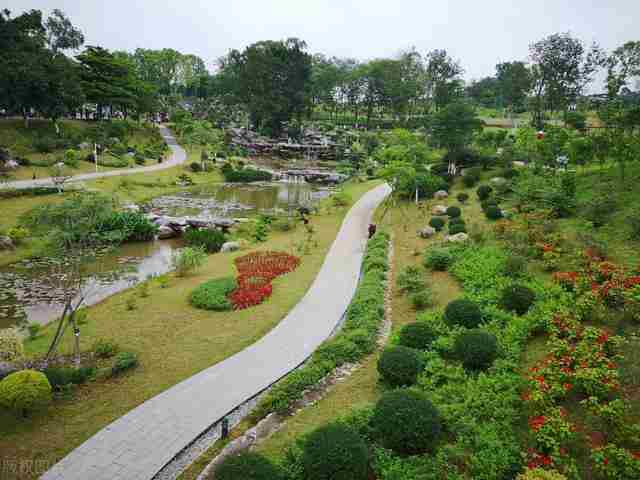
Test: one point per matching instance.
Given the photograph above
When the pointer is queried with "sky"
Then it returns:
(478, 33)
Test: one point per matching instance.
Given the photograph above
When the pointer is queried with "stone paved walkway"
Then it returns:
(178, 156)
(139, 444)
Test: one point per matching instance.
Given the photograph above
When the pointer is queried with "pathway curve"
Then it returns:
(139, 444)
(178, 156)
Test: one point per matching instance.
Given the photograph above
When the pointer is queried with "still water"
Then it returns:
(26, 294)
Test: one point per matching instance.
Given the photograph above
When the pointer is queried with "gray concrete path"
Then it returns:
(178, 156)
(139, 444)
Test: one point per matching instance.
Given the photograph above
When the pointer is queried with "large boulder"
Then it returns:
(230, 247)
(6, 243)
(498, 181)
(441, 195)
(427, 232)
(165, 232)
(439, 210)
(458, 237)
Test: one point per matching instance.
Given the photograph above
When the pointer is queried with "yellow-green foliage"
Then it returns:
(11, 348)
(25, 391)
(540, 474)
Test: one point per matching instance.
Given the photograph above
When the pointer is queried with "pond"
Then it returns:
(26, 296)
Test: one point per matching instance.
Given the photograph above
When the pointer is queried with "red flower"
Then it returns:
(567, 386)
(535, 423)
(636, 455)
(605, 461)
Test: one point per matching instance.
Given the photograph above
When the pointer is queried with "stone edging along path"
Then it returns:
(139, 444)
(178, 157)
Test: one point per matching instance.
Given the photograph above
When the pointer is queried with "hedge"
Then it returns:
(356, 339)
(213, 294)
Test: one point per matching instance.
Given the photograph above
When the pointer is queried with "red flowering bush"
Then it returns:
(256, 271)
(613, 462)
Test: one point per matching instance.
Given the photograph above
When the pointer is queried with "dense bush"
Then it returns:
(105, 348)
(213, 294)
(406, 422)
(540, 474)
(439, 259)
(124, 361)
(283, 224)
(456, 228)
(211, 239)
(410, 280)
(341, 350)
(399, 366)
(421, 300)
(598, 211)
(489, 202)
(493, 213)
(476, 349)
(60, 377)
(418, 335)
(463, 312)
(437, 223)
(453, 212)
(127, 227)
(471, 177)
(25, 391)
(517, 298)
(483, 192)
(244, 175)
(457, 221)
(195, 167)
(11, 347)
(515, 266)
(463, 197)
(335, 452)
(247, 466)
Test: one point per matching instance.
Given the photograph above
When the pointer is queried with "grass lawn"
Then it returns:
(172, 339)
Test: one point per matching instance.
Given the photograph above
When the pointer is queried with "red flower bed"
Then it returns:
(256, 271)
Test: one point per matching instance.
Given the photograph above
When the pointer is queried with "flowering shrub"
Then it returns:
(256, 271)
(613, 462)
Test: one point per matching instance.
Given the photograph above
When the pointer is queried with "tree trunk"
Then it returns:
(25, 116)
(59, 332)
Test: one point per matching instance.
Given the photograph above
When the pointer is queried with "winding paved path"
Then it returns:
(178, 156)
(139, 444)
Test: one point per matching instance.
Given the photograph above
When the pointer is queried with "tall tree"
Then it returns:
(561, 69)
(440, 70)
(513, 84)
(453, 128)
(622, 65)
(61, 34)
(273, 81)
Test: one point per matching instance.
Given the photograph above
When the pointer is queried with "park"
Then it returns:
(289, 265)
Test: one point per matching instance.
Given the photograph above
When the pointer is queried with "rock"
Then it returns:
(84, 146)
(198, 223)
(241, 220)
(439, 210)
(518, 163)
(498, 181)
(230, 247)
(6, 368)
(6, 243)
(132, 207)
(427, 232)
(165, 232)
(458, 237)
(440, 195)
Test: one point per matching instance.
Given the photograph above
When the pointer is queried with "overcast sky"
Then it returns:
(480, 33)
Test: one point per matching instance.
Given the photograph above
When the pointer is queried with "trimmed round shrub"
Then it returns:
(476, 349)
(509, 173)
(437, 223)
(25, 391)
(247, 466)
(213, 294)
(456, 228)
(517, 298)
(457, 221)
(463, 197)
(418, 335)
(494, 213)
(105, 348)
(410, 279)
(454, 212)
(339, 351)
(406, 422)
(124, 361)
(541, 474)
(463, 312)
(489, 202)
(195, 167)
(515, 266)
(421, 300)
(439, 259)
(334, 452)
(484, 191)
(399, 366)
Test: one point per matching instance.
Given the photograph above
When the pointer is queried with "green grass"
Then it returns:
(172, 339)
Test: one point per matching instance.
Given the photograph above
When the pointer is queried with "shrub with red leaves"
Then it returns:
(256, 271)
